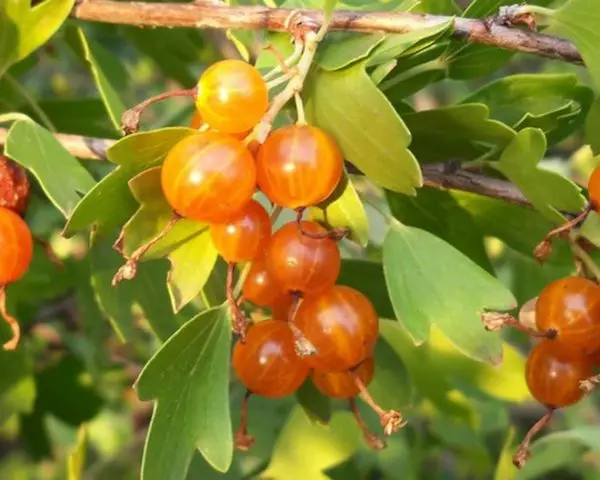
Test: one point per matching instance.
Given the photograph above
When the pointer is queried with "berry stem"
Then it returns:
(390, 420)
(335, 234)
(243, 441)
(585, 259)
(494, 321)
(372, 440)
(300, 109)
(12, 323)
(302, 346)
(130, 120)
(279, 80)
(239, 320)
(129, 269)
(283, 64)
(544, 248)
(523, 453)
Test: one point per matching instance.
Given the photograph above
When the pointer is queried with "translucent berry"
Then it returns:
(342, 384)
(570, 307)
(267, 363)
(260, 287)
(341, 323)
(197, 123)
(244, 236)
(208, 177)
(232, 96)
(16, 246)
(14, 186)
(553, 374)
(301, 263)
(298, 166)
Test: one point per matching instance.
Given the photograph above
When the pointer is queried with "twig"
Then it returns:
(494, 321)
(258, 17)
(434, 174)
(243, 441)
(240, 323)
(522, 454)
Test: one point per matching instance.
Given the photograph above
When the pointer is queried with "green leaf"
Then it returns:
(76, 457)
(554, 103)
(400, 45)
(316, 406)
(439, 213)
(340, 49)
(147, 289)
(61, 176)
(521, 228)
(548, 191)
(591, 228)
(24, 29)
(379, 147)
(110, 203)
(17, 387)
(109, 74)
(344, 210)
(592, 127)
(188, 245)
(391, 386)
(588, 436)
(431, 283)
(301, 440)
(505, 469)
(466, 62)
(189, 380)
(458, 131)
(577, 20)
(439, 7)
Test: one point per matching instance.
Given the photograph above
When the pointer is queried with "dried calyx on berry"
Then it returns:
(14, 186)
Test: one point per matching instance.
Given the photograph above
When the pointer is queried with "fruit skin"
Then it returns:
(301, 263)
(553, 374)
(208, 176)
(14, 186)
(267, 363)
(298, 166)
(244, 236)
(594, 188)
(260, 287)
(16, 246)
(342, 325)
(198, 122)
(341, 384)
(571, 307)
(232, 96)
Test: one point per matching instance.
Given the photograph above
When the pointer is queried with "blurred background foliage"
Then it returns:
(67, 407)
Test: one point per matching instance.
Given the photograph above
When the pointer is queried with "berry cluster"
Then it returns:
(16, 241)
(317, 329)
(560, 367)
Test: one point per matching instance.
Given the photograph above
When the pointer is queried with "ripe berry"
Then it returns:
(571, 308)
(208, 177)
(301, 263)
(298, 166)
(267, 363)
(232, 96)
(342, 325)
(244, 235)
(14, 186)
(342, 384)
(553, 374)
(594, 188)
(198, 122)
(16, 246)
(260, 287)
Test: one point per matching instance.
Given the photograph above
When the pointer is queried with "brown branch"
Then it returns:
(435, 174)
(195, 15)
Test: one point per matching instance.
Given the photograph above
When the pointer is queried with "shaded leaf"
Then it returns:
(17, 386)
(344, 210)
(437, 284)
(340, 49)
(109, 74)
(61, 176)
(548, 191)
(110, 203)
(370, 133)
(189, 380)
(316, 406)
